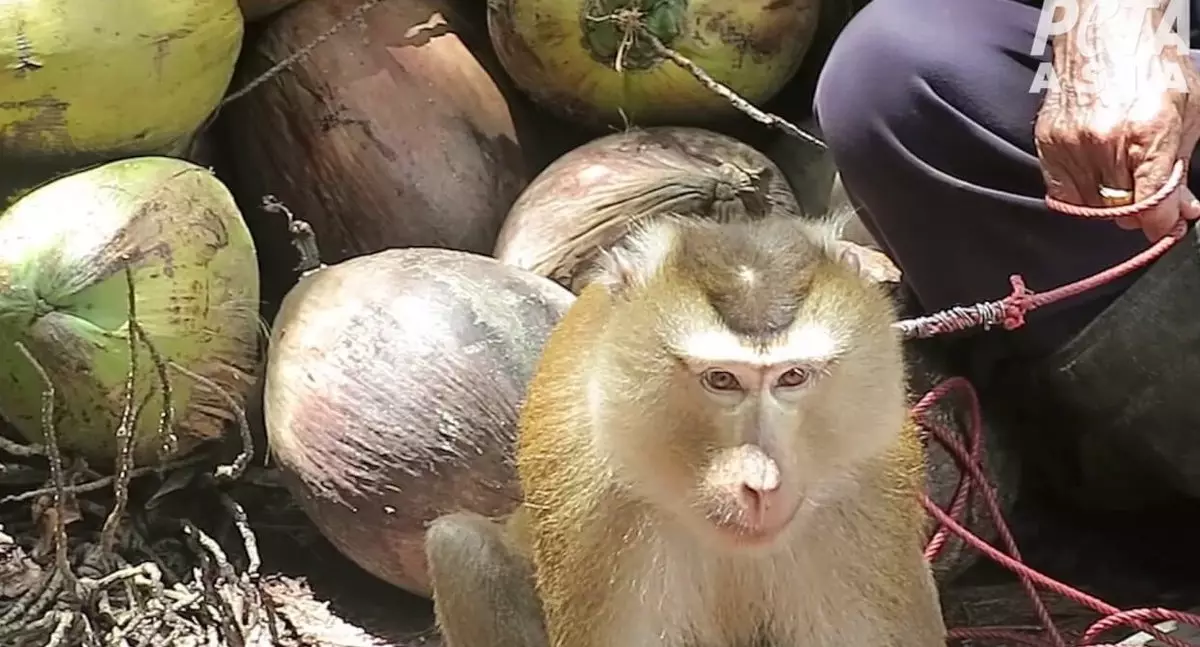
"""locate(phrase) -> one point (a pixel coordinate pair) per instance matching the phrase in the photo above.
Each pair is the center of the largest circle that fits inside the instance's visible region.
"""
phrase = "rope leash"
(1010, 312)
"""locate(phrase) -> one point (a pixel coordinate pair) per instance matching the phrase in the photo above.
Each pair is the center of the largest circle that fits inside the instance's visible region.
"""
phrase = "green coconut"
(64, 250)
(83, 81)
(592, 61)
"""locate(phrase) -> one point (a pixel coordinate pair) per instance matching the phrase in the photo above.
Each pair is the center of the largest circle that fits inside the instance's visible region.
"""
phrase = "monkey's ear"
(848, 256)
(868, 263)
(617, 270)
(631, 262)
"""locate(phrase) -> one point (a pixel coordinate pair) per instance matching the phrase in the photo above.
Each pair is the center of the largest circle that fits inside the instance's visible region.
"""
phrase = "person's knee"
(868, 85)
(914, 67)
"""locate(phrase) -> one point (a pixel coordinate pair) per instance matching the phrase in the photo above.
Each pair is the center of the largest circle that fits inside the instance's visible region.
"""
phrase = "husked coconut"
(392, 133)
(588, 199)
(391, 396)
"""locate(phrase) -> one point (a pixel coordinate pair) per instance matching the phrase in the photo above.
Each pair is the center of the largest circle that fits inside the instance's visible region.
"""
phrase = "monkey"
(714, 451)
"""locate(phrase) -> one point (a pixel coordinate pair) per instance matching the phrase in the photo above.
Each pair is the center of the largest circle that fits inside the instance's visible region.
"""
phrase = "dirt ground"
(319, 598)
(1138, 562)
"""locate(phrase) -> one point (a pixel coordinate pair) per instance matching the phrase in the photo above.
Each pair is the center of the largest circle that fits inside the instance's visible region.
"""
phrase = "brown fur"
(614, 570)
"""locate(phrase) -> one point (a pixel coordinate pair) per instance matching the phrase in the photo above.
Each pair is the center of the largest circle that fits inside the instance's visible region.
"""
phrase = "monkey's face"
(733, 433)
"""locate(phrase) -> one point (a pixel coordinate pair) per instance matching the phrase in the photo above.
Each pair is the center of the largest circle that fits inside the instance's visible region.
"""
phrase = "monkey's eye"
(718, 380)
(794, 377)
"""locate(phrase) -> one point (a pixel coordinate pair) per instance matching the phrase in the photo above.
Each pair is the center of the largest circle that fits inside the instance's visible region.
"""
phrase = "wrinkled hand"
(1124, 132)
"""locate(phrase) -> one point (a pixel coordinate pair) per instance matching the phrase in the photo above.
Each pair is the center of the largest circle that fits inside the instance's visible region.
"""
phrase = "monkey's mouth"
(752, 530)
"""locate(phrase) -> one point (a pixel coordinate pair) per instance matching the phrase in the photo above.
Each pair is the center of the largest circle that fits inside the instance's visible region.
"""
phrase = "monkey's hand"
(483, 589)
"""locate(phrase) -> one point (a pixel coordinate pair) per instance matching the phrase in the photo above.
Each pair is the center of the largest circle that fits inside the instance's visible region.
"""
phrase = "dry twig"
(50, 432)
(303, 237)
(632, 25)
(125, 429)
(104, 599)
(238, 467)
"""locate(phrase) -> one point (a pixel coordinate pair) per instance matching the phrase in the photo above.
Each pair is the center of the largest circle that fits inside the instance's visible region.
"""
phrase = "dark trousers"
(926, 108)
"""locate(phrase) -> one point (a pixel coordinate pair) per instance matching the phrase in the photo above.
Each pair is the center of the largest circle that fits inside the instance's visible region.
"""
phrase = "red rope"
(1010, 312)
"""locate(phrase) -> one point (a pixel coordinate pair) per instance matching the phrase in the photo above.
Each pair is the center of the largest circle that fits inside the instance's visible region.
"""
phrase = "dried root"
(107, 584)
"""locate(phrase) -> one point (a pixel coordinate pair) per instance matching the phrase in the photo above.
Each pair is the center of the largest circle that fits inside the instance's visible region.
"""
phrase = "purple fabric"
(926, 108)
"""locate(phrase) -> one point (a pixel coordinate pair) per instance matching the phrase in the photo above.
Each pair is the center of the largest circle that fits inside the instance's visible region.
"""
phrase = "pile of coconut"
(274, 274)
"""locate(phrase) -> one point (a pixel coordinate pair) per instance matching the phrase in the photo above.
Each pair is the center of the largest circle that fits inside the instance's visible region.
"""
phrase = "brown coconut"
(392, 133)
(587, 199)
(392, 388)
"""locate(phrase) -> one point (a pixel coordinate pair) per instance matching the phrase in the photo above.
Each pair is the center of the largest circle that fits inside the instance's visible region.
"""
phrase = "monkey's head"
(745, 368)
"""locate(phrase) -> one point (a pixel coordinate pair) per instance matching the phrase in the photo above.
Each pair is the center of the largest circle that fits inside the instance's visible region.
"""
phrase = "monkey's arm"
(483, 587)
(923, 624)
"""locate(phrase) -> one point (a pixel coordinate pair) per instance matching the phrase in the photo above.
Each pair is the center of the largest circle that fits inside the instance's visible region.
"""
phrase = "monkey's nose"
(756, 500)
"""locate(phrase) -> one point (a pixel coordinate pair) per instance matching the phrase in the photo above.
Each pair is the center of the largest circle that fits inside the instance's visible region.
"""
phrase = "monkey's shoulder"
(555, 397)
(891, 485)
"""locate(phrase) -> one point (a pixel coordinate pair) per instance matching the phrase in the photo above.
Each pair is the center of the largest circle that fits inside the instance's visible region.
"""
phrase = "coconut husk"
(391, 397)
(392, 133)
(587, 200)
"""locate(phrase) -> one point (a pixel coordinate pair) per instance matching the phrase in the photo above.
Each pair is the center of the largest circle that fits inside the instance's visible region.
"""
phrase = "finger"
(1189, 206)
(1059, 184)
(1150, 176)
(1161, 220)
(1129, 222)
(1056, 158)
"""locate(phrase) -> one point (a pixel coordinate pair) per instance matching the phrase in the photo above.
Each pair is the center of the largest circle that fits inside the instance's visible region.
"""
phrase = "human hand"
(1114, 138)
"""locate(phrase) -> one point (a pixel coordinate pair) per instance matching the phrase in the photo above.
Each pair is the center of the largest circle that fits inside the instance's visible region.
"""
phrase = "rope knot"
(1017, 303)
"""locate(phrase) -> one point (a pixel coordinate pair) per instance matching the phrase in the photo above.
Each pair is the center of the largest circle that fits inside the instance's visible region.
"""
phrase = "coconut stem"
(736, 100)
(203, 544)
(106, 481)
(250, 581)
(17, 449)
(304, 239)
(166, 416)
(611, 32)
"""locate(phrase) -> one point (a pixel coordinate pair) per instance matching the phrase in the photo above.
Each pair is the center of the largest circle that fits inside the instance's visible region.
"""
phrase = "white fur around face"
(685, 593)
(807, 343)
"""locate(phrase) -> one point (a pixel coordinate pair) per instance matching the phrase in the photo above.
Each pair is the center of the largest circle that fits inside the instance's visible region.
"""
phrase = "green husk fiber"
(64, 249)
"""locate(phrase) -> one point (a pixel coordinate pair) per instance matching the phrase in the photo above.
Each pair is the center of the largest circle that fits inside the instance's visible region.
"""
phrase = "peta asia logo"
(1062, 16)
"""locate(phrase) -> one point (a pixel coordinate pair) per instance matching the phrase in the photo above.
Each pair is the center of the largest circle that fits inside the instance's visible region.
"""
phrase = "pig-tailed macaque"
(715, 451)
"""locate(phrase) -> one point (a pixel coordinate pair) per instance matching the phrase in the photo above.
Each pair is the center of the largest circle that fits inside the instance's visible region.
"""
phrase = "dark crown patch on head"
(754, 273)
